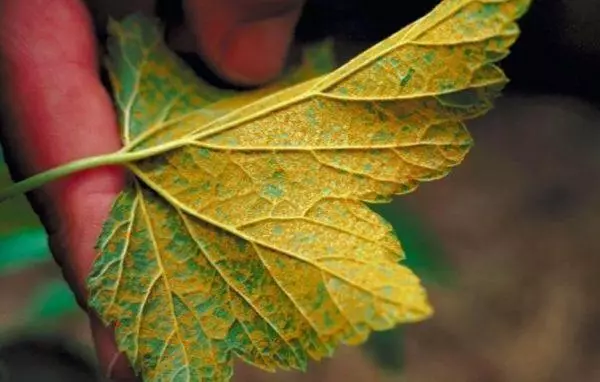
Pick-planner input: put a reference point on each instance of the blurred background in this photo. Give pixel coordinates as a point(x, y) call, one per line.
point(507, 244)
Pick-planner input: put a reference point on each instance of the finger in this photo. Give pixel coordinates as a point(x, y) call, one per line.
point(246, 41)
point(59, 112)
point(115, 364)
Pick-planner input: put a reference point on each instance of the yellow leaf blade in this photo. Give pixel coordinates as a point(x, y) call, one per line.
point(248, 236)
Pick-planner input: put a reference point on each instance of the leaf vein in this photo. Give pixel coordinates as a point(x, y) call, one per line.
point(162, 270)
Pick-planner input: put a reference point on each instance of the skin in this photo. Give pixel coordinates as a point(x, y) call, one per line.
point(56, 110)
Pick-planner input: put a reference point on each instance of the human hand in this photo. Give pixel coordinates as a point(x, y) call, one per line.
point(56, 110)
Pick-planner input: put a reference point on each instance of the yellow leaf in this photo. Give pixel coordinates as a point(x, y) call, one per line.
point(244, 231)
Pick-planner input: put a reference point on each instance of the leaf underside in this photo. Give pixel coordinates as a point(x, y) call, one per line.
point(248, 235)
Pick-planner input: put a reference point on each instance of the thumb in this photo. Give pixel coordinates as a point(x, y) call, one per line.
point(245, 41)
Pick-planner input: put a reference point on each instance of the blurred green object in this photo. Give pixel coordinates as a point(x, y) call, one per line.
point(387, 349)
point(24, 245)
point(23, 240)
point(51, 302)
point(424, 254)
point(17, 213)
point(23, 249)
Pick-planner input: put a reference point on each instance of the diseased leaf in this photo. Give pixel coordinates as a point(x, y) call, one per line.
point(244, 231)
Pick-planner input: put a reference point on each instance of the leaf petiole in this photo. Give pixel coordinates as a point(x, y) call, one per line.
point(121, 157)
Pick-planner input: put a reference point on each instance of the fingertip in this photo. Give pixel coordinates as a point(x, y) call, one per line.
point(244, 41)
point(256, 52)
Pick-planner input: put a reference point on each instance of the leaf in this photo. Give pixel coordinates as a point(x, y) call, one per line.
point(244, 230)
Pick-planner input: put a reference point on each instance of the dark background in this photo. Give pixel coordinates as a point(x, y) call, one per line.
point(557, 53)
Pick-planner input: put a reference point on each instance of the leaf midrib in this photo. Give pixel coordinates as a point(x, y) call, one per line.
point(315, 91)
